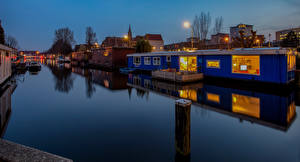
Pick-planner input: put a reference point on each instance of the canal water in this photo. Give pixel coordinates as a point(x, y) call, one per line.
point(93, 115)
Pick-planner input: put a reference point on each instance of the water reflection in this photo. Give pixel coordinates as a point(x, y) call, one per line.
point(5, 106)
point(62, 76)
point(273, 110)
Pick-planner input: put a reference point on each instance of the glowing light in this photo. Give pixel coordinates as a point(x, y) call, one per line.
point(186, 24)
point(125, 36)
point(226, 39)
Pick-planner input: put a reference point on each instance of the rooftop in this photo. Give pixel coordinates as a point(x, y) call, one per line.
point(247, 51)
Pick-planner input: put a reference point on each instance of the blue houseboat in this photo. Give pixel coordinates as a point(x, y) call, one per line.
point(273, 65)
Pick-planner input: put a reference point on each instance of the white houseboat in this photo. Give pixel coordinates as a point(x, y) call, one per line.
point(5, 62)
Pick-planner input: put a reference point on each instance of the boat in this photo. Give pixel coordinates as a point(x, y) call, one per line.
point(34, 66)
point(127, 70)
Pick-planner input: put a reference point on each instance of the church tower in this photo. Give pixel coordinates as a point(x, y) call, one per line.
point(129, 33)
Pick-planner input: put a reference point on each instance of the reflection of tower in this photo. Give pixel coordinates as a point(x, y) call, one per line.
point(183, 131)
point(129, 37)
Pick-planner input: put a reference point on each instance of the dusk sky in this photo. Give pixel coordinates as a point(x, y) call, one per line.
point(32, 22)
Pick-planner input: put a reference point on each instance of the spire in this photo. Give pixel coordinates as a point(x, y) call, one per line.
point(129, 33)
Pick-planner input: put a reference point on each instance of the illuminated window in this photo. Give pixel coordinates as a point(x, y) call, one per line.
point(137, 60)
point(147, 60)
point(161, 48)
point(246, 65)
point(246, 105)
point(156, 60)
point(154, 48)
point(213, 97)
point(188, 94)
point(106, 53)
point(291, 61)
point(188, 63)
point(213, 64)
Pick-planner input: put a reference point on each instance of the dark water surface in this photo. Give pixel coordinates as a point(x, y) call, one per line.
point(92, 115)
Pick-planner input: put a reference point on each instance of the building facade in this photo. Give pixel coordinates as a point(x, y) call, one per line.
point(111, 57)
point(155, 41)
point(219, 38)
point(234, 31)
point(282, 34)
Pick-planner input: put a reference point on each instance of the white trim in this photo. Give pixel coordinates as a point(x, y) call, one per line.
point(148, 62)
point(156, 62)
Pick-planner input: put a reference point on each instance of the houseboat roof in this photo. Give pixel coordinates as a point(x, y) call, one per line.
point(238, 51)
point(6, 48)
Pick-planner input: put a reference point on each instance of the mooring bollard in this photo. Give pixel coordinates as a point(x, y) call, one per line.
point(183, 129)
point(183, 103)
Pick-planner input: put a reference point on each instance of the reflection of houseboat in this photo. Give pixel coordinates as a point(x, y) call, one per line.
point(5, 63)
point(5, 107)
point(34, 66)
point(273, 110)
point(275, 65)
point(110, 80)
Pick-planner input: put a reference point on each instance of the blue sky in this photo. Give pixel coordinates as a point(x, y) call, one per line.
point(32, 22)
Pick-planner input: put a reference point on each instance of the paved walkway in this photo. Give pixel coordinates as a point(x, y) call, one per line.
point(12, 152)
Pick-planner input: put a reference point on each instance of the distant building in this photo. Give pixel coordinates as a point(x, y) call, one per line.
point(111, 57)
point(28, 53)
point(219, 38)
point(84, 47)
point(114, 42)
point(155, 40)
point(280, 35)
point(234, 31)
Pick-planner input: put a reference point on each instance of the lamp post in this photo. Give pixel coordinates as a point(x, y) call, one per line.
point(258, 43)
point(227, 41)
point(187, 25)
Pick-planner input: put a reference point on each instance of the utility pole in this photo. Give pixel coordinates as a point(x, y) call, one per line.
point(269, 40)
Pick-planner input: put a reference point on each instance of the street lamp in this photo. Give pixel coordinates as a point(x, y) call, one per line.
point(126, 37)
point(188, 25)
point(258, 41)
point(227, 41)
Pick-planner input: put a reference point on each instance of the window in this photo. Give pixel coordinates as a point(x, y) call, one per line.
point(246, 65)
point(154, 48)
point(246, 105)
point(291, 61)
point(156, 60)
point(137, 60)
point(213, 97)
point(168, 58)
point(161, 48)
point(213, 64)
point(147, 60)
point(188, 63)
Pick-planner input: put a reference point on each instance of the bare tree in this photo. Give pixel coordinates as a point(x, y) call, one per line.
point(11, 42)
point(218, 25)
point(205, 22)
point(65, 35)
point(90, 36)
point(196, 27)
point(201, 25)
point(63, 41)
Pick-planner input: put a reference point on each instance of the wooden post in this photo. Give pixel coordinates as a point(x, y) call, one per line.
point(182, 129)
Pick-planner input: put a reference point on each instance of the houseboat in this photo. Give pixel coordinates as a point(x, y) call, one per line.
point(272, 65)
point(5, 63)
